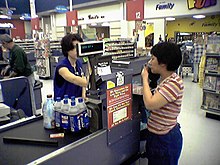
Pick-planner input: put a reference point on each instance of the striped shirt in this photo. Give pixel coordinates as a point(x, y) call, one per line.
point(162, 120)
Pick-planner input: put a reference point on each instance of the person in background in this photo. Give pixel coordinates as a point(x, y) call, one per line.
point(18, 65)
point(163, 135)
point(69, 77)
point(198, 49)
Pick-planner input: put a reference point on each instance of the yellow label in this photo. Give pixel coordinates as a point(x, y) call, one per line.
point(110, 84)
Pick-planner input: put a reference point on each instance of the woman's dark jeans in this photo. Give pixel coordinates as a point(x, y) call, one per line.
point(164, 149)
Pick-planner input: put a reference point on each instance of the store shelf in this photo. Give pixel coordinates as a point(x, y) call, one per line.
point(27, 45)
point(211, 91)
point(211, 84)
point(119, 48)
point(211, 110)
point(42, 53)
point(212, 54)
point(212, 72)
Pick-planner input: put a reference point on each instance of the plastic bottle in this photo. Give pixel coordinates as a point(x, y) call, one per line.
point(65, 123)
point(48, 113)
point(73, 98)
point(57, 108)
point(83, 113)
point(75, 125)
point(65, 106)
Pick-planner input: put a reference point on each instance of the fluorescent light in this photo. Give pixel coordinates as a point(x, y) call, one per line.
point(6, 25)
point(4, 17)
point(170, 19)
point(199, 16)
point(105, 24)
point(93, 24)
point(185, 34)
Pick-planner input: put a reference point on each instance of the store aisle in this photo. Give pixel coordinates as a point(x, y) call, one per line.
point(201, 135)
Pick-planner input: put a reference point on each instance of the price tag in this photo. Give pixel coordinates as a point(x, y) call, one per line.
point(120, 78)
point(205, 107)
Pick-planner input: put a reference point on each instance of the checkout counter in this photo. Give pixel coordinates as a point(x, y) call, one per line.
point(114, 134)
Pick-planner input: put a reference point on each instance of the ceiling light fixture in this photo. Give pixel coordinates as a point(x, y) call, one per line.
point(170, 19)
point(93, 24)
point(199, 16)
point(5, 17)
point(105, 24)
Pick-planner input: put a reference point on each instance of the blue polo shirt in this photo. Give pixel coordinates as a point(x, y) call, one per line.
point(63, 87)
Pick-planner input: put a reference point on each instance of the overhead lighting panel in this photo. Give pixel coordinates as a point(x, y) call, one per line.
point(199, 16)
point(170, 19)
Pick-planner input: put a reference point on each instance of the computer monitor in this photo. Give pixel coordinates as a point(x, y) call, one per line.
point(90, 48)
point(94, 50)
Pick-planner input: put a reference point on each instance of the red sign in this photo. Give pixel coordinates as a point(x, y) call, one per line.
point(72, 18)
point(119, 105)
point(135, 10)
point(35, 23)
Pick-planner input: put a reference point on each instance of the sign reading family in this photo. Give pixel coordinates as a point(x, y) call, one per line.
point(199, 4)
point(164, 5)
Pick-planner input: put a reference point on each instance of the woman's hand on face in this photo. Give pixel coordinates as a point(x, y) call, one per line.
point(144, 72)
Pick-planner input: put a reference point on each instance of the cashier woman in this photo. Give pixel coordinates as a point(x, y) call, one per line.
point(69, 76)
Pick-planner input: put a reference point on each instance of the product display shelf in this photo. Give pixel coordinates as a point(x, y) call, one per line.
point(27, 45)
point(42, 54)
point(55, 45)
point(211, 85)
point(120, 48)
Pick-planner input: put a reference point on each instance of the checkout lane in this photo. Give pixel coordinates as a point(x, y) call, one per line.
point(12, 153)
point(104, 146)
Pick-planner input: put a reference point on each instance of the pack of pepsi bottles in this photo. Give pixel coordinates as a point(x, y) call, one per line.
point(71, 114)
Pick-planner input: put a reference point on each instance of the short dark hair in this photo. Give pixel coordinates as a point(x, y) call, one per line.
point(168, 53)
point(66, 43)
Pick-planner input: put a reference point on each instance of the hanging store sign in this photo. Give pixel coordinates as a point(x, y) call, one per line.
point(61, 9)
point(192, 4)
point(92, 17)
point(72, 18)
point(35, 23)
point(164, 5)
point(135, 10)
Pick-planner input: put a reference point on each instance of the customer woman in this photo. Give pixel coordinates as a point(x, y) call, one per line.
point(164, 139)
point(69, 77)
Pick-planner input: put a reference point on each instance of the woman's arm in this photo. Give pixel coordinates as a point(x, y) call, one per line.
point(68, 76)
point(151, 101)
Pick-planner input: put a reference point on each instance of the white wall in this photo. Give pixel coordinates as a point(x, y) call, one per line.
point(110, 13)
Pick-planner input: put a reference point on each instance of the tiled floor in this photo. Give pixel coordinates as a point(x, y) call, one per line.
point(201, 135)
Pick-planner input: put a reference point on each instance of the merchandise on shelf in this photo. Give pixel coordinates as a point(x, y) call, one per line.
point(120, 48)
point(213, 44)
point(27, 45)
point(211, 84)
point(212, 64)
point(218, 84)
point(211, 101)
point(42, 53)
